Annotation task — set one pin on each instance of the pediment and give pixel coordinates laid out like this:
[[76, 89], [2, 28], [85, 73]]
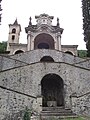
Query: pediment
[[45, 28]]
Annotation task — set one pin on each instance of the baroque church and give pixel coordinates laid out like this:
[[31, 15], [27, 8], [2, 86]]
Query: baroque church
[[43, 75], [43, 35]]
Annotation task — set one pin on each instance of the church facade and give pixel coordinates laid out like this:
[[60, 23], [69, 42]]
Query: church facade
[[43, 35], [41, 76]]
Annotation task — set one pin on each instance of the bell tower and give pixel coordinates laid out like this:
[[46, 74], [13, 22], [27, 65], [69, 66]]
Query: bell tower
[[14, 33]]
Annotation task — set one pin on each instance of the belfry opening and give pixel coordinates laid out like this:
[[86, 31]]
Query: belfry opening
[[52, 89]]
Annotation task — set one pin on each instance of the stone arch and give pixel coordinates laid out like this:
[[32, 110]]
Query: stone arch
[[43, 41], [69, 52], [52, 89], [13, 30], [18, 51], [47, 59]]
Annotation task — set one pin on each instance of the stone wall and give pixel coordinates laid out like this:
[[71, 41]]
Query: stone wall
[[23, 83], [81, 104], [8, 63], [36, 55], [85, 63], [12, 102]]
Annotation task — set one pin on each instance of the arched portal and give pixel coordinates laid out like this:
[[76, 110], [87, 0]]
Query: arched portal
[[44, 41], [19, 51], [52, 90], [47, 59]]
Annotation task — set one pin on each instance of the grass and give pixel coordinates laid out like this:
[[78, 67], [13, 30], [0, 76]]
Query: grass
[[79, 118]]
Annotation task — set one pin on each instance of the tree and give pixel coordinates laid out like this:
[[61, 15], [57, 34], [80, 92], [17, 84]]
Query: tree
[[82, 53], [86, 23], [0, 11], [3, 46]]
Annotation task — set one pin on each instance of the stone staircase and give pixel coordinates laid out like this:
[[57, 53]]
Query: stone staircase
[[57, 113]]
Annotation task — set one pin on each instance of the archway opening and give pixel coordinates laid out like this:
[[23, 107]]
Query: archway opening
[[68, 52], [44, 41], [52, 89], [47, 59], [18, 51]]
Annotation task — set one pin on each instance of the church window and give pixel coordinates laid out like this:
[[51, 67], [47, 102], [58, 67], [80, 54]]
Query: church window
[[13, 30], [43, 20], [13, 37], [43, 46]]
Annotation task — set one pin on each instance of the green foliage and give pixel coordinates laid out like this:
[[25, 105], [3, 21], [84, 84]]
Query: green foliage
[[27, 114], [3, 46], [88, 53], [82, 53]]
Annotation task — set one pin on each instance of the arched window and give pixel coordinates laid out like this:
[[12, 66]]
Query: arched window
[[47, 59], [18, 51], [13, 37], [68, 52], [43, 46], [13, 30]]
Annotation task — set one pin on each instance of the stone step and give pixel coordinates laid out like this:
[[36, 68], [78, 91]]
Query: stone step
[[60, 111], [57, 112], [52, 108], [57, 117]]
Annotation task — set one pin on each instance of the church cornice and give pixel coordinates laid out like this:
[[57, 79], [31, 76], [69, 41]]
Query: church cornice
[[35, 28]]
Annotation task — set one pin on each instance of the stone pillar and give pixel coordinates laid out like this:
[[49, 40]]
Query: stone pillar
[[59, 41], [55, 42], [28, 42], [32, 45], [39, 89], [39, 104]]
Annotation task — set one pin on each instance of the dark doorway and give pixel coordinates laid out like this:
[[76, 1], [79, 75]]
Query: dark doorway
[[52, 90]]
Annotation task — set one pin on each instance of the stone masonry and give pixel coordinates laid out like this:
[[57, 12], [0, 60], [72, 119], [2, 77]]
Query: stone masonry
[[20, 86]]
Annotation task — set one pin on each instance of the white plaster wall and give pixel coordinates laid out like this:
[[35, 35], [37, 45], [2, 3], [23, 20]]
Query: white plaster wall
[[16, 47]]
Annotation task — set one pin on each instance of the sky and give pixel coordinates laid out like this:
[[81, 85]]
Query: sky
[[69, 13]]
